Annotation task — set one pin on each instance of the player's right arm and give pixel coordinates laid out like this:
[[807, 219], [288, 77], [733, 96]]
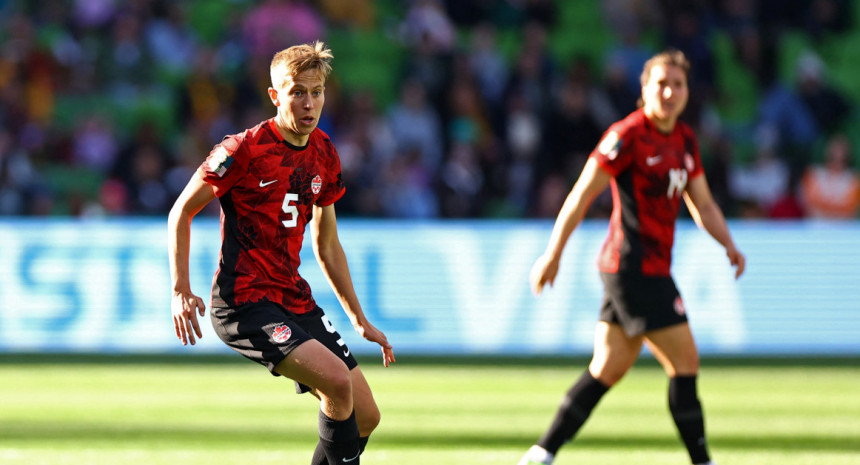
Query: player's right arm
[[591, 182], [194, 197]]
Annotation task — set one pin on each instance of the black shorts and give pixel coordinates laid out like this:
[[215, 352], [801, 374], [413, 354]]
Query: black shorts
[[266, 333], [641, 303]]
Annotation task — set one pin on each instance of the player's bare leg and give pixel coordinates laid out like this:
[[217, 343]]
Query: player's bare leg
[[614, 354], [312, 364], [675, 349], [366, 413]]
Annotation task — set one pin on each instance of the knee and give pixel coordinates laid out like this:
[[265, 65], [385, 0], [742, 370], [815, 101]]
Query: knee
[[607, 372], [338, 387], [607, 377], [368, 420], [687, 365]]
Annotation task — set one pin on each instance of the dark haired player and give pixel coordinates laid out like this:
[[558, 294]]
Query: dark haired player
[[650, 160], [273, 180]]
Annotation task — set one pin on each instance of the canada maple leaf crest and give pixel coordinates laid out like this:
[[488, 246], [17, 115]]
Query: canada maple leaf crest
[[281, 333], [316, 185]]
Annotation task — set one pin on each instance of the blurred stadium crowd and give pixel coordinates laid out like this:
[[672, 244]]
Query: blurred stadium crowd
[[439, 108]]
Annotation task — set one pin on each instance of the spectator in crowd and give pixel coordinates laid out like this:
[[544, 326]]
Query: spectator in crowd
[[95, 146], [828, 107], [762, 183], [534, 70], [408, 188], [621, 96], [171, 40], [488, 65], [571, 131], [629, 53], [600, 105], [823, 17], [273, 23], [462, 181], [367, 146], [782, 110], [688, 34], [832, 190], [415, 125]]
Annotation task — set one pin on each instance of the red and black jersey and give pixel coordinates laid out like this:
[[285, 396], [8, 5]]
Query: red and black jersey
[[267, 189], [650, 171]]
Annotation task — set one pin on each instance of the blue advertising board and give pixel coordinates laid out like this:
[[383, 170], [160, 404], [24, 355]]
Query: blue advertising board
[[446, 287]]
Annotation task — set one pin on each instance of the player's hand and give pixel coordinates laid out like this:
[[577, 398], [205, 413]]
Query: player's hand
[[543, 272], [369, 332], [183, 306], [737, 259]]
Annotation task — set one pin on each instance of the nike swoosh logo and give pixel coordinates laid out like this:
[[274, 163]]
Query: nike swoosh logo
[[346, 352], [651, 161], [264, 184], [350, 460]]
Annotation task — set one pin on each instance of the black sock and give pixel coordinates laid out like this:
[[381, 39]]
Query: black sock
[[319, 457], [687, 413], [574, 410], [339, 441]]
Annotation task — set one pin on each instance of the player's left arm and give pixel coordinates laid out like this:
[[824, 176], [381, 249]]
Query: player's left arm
[[708, 216], [332, 260]]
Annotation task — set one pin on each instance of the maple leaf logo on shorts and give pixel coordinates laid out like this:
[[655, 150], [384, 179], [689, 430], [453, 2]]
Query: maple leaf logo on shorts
[[679, 306], [281, 333]]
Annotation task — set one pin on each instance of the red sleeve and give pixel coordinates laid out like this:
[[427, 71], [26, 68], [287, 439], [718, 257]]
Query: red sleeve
[[226, 164], [613, 153]]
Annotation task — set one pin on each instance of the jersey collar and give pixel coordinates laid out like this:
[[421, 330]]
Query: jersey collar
[[274, 128]]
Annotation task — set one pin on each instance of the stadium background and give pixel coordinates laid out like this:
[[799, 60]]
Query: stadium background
[[107, 106], [461, 125]]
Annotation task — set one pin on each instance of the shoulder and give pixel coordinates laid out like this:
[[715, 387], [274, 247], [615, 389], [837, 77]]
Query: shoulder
[[635, 121], [321, 139], [320, 134], [691, 141], [322, 143], [634, 125], [621, 133], [250, 136], [686, 130]]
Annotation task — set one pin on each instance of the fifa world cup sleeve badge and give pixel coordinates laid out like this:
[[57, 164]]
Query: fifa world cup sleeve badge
[[219, 161]]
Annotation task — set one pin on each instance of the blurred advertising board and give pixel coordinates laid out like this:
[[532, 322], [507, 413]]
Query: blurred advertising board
[[435, 287]]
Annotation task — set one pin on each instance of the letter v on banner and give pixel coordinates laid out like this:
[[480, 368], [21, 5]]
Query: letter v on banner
[[490, 283]]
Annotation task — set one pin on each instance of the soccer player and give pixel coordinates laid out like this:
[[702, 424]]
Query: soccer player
[[272, 180], [650, 160]]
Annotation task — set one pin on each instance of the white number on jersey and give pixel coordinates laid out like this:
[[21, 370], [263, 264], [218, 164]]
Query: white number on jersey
[[291, 210], [330, 328], [677, 182]]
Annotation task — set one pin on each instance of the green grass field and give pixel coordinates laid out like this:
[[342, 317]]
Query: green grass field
[[206, 411]]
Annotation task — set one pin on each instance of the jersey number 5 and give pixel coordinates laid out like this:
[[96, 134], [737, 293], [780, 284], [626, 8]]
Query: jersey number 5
[[291, 210]]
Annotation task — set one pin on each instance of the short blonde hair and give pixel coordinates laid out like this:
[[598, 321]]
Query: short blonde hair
[[669, 57], [300, 58]]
